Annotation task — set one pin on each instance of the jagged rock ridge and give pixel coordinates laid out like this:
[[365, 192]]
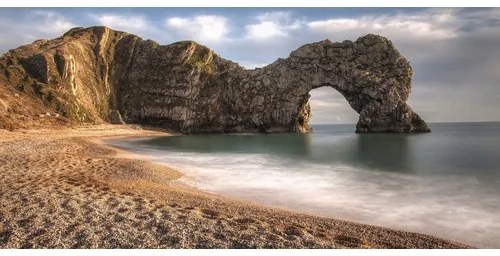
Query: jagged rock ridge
[[89, 73]]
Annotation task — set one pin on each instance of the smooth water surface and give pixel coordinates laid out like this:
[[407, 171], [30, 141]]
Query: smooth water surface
[[445, 183]]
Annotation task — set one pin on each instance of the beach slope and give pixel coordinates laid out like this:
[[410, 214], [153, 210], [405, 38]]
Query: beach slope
[[63, 189]]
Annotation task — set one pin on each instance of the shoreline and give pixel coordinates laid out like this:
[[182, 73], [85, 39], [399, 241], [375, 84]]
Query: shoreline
[[254, 200], [70, 190]]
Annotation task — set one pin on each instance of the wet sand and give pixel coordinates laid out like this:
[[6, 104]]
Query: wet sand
[[65, 189]]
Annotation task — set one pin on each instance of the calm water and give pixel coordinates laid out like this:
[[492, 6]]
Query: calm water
[[445, 183]]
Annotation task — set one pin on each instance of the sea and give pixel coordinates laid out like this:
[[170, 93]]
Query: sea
[[444, 183]]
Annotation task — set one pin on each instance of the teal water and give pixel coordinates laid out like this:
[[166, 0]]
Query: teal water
[[445, 183]]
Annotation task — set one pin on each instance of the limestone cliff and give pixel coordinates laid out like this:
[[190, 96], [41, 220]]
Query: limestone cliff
[[89, 74]]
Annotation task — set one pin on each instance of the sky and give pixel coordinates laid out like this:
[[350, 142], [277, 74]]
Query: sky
[[455, 52]]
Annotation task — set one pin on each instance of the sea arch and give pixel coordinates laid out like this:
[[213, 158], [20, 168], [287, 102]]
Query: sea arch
[[370, 73]]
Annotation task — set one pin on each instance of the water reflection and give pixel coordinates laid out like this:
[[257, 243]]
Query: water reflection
[[298, 145], [447, 150], [387, 152]]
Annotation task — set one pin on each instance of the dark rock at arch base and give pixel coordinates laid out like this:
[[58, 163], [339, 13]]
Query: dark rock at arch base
[[186, 87], [115, 117]]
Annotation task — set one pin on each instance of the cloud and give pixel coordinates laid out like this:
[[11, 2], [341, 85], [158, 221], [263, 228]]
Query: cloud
[[49, 22], [23, 28], [426, 26], [249, 65], [271, 25], [265, 30], [129, 23], [205, 28]]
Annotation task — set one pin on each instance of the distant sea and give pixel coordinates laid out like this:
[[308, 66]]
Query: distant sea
[[444, 183]]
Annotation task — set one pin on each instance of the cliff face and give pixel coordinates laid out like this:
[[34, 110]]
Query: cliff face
[[87, 74]]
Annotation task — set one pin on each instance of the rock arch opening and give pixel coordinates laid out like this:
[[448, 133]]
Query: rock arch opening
[[370, 73], [328, 106]]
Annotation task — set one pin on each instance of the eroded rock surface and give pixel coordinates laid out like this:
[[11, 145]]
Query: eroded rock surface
[[186, 87], [115, 117]]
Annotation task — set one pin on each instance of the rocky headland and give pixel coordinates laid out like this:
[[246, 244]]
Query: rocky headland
[[96, 75]]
